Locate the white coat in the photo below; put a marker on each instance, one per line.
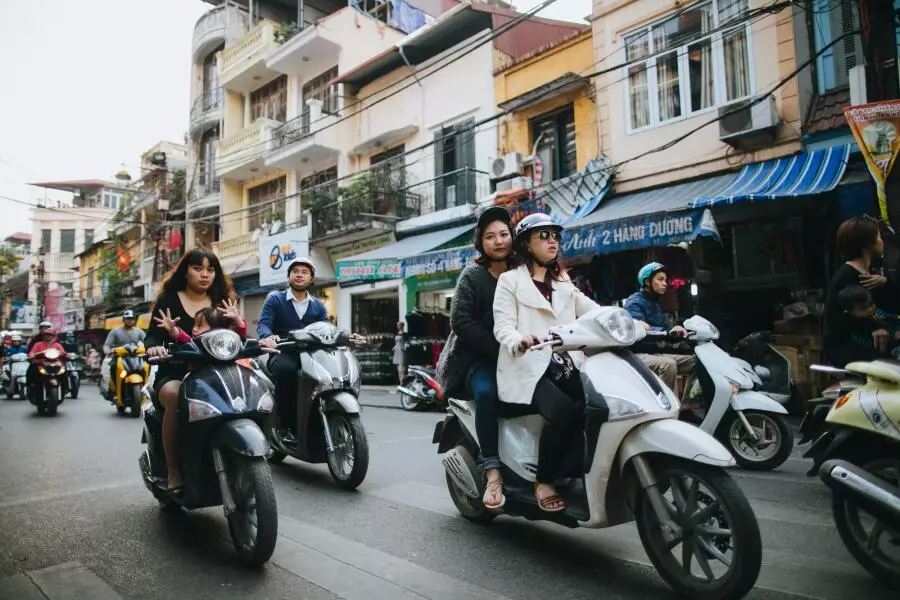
(519, 310)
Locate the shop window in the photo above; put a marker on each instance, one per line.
(769, 251)
(67, 240)
(321, 88)
(45, 240)
(831, 20)
(555, 134)
(270, 101)
(674, 71)
(267, 202)
(454, 164)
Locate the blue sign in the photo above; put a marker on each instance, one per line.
(645, 231)
(441, 261)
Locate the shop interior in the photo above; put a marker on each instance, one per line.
(374, 316)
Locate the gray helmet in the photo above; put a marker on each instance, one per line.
(128, 314)
(533, 222)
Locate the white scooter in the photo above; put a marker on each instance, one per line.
(635, 461)
(749, 422)
(16, 370)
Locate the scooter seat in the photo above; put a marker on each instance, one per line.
(879, 369)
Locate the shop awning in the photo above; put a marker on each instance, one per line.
(655, 217)
(804, 174)
(387, 262)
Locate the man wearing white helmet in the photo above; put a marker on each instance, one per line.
(644, 306)
(283, 312)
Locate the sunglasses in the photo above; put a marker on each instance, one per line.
(545, 235)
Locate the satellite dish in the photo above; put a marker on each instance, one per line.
(276, 227)
(256, 234)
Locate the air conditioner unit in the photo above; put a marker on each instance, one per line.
(749, 126)
(514, 184)
(506, 166)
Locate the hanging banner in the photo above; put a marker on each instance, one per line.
(277, 251)
(21, 313)
(645, 231)
(875, 127)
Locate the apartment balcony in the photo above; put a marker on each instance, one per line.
(242, 66)
(206, 111)
(206, 199)
(241, 156)
(221, 25)
(238, 254)
(60, 262)
(311, 51)
(307, 143)
(354, 217)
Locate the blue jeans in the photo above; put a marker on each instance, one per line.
(483, 386)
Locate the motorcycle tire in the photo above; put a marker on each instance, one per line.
(732, 507)
(785, 440)
(256, 477)
(846, 521)
(51, 397)
(472, 509)
(134, 400)
(74, 386)
(347, 428)
(9, 394)
(407, 401)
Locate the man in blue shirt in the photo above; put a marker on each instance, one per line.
(283, 312)
(644, 306)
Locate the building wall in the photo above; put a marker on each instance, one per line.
(514, 130)
(702, 153)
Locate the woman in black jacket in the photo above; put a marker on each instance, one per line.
(471, 367)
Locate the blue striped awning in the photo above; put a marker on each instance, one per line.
(803, 174)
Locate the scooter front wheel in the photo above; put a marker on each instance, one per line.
(348, 463)
(717, 552)
(254, 524)
(51, 396)
(776, 440)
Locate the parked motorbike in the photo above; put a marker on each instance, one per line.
(771, 366)
(749, 422)
(223, 451)
(16, 368)
(328, 424)
(635, 461)
(72, 381)
(814, 424)
(419, 388)
(132, 371)
(858, 459)
(44, 392)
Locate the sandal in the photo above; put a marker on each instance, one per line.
(546, 504)
(493, 488)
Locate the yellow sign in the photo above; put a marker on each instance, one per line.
(876, 128)
(143, 322)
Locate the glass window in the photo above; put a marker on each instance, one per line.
(695, 60)
(88, 238)
(556, 145)
(45, 240)
(67, 240)
(321, 88)
(270, 101)
(267, 202)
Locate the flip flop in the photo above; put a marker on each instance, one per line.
(489, 487)
(545, 503)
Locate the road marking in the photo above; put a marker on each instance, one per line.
(66, 494)
(72, 581)
(355, 571)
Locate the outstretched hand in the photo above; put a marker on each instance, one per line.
(166, 321)
(230, 310)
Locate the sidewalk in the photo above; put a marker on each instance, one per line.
(380, 396)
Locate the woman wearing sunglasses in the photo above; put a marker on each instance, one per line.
(531, 299)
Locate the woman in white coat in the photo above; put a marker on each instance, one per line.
(531, 299)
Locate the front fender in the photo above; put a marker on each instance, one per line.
(675, 438)
(345, 400)
(242, 436)
(750, 400)
(134, 378)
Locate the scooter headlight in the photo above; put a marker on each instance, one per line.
(199, 410)
(620, 326)
(222, 344)
(51, 354)
(621, 409)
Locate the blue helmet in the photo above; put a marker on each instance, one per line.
(648, 271)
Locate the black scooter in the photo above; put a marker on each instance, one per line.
(221, 405)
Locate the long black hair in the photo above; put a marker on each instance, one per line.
(176, 280)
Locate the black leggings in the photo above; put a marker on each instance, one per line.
(562, 406)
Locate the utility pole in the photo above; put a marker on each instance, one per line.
(158, 229)
(41, 287)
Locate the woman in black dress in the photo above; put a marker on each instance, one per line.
(860, 244)
(197, 282)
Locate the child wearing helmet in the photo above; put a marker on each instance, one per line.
(531, 299)
(644, 306)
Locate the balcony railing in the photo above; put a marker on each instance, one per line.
(294, 130)
(236, 249)
(204, 104)
(217, 22)
(351, 211)
(256, 46)
(456, 188)
(244, 146)
(207, 187)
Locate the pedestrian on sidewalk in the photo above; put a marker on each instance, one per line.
(400, 351)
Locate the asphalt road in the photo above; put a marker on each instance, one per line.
(76, 522)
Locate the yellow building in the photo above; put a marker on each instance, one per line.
(552, 110)
(91, 290)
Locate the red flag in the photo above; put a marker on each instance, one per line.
(123, 259)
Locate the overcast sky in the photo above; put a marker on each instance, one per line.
(90, 85)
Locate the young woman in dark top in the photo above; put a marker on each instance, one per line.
(859, 242)
(471, 369)
(197, 282)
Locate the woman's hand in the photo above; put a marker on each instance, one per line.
(230, 310)
(527, 342)
(880, 337)
(269, 342)
(166, 321)
(157, 352)
(870, 282)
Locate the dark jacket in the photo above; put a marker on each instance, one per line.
(645, 307)
(472, 321)
(278, 316)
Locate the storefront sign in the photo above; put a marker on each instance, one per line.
(663, 229)
(442, 261)
(358, 247)
(277, 251)
(369, 270)
(21, 313)
(875, 127)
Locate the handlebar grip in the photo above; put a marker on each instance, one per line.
(157, 360)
